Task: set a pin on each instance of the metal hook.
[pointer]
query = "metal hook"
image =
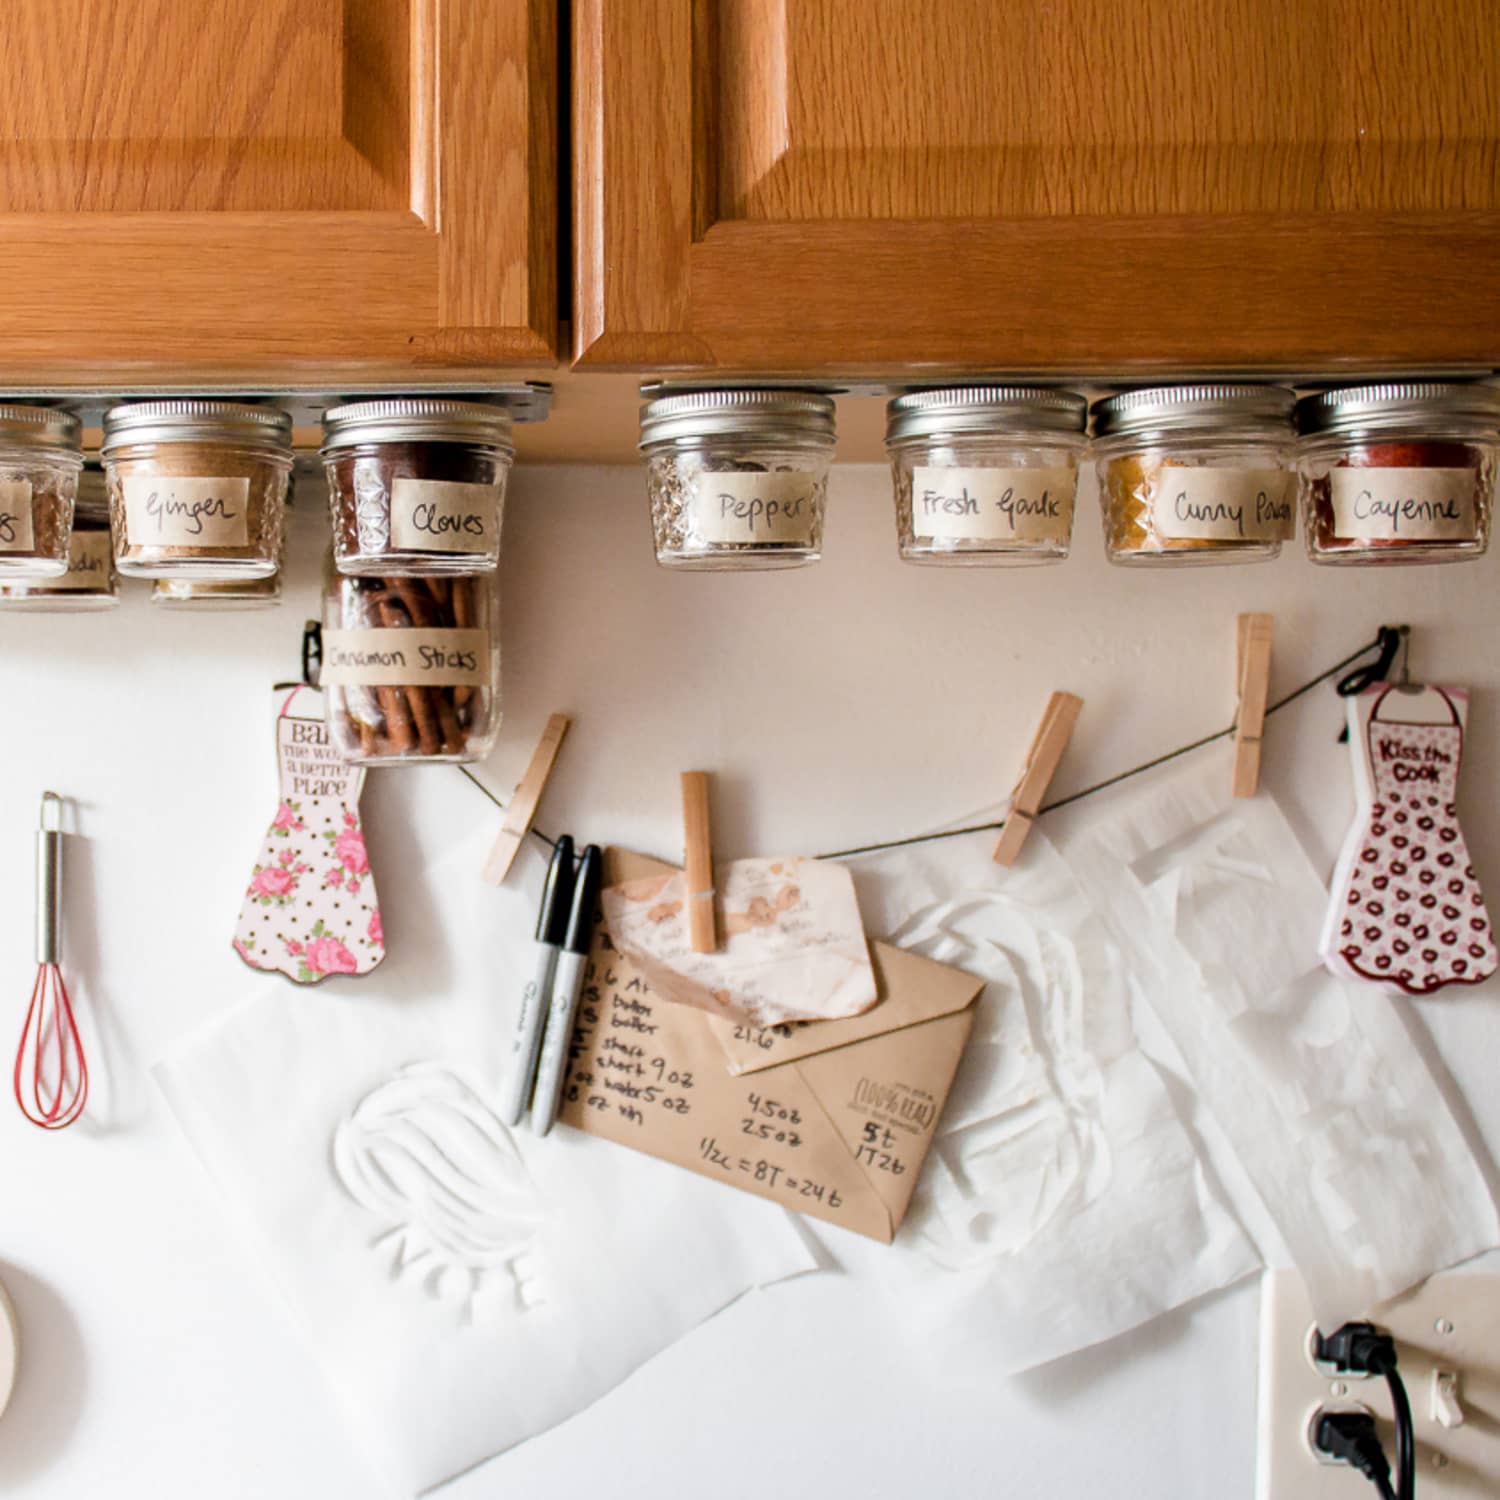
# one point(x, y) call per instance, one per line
point(1406, 685)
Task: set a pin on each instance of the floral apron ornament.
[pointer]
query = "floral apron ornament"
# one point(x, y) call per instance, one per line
point(310, 909)
point(1406, 907)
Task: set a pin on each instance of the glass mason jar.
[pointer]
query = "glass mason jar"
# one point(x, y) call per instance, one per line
point(1399, 473)
point(39, 464)
point(197, 488)
point(738, 479)
point(411, 666)
point(89, 583)
point(985, 475)
point(416, 485)
point(1196, 474)
point(217, 594)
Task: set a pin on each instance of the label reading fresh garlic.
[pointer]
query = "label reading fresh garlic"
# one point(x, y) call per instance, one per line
point(439, 515)
point(1404, 505)
point(398, 657)
point(169, 511)
point(754, 508)
point(1223, 505)
point(15, 516)
point(89, 564)
point(993, 505)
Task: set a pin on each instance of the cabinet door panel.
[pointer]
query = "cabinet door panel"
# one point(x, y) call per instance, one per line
point(275, 187)
point(1038, 184)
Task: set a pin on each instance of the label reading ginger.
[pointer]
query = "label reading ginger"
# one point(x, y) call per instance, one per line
point(15, 516)
point(992, 505)
point(169, 511)
point(1404, 505)
point(1223, 505)
point(387, 657)
point(777, 508)
point(439, 515)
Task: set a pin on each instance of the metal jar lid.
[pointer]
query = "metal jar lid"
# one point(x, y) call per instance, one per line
point(41, 428)
point(190, 420)
point(984, 409)
point(416, 419)
point(1401, 404)
point(1196, 408)
point(772, 415)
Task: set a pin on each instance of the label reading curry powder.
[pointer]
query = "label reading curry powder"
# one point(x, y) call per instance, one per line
point(1223, 505)
point(992, 505)
point(400, 657)
point(1404, 505)
point(15, 516)
point(439, 515)
point(750, 509)
point(170, 511)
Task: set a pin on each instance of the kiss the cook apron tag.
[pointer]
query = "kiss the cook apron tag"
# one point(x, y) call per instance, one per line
point(1406, 907)
point(310, 909)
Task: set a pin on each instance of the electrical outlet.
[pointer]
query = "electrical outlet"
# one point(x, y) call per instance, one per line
point(1448, 1343)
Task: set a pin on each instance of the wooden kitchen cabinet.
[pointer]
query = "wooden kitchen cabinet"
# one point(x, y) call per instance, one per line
point(1056, 186)
point(276, 187)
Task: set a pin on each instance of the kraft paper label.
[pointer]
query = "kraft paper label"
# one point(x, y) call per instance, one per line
point(169, 511)
point(1409, 505)
point(15, 516)
point(386, 657)
point(992, 505)
point(754, 508)
point(89, 562)
point(437, 515)
point(1223, 505)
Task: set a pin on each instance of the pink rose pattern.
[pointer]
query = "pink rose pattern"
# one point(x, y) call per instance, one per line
point(310, 909)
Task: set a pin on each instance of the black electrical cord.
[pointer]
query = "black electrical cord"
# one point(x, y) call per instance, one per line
point(1406, 1446)
point(1362, 1349)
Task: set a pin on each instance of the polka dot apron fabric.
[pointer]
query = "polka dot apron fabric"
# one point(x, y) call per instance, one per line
point(1407, 910)
point(310, 909)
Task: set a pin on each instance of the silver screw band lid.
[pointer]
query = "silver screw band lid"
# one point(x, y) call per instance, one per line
point(44, 428)
point(772, 415)
point(416, 419)
point(189, 420)
point(981, 409)
point(1197, 408)
point(1474, 408)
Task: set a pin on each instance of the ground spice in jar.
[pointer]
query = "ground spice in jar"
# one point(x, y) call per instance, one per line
point(39, 465)
point(197, 488)
point(411, 666)
point(89, 583)
point(416, 484)
point(1399, 473)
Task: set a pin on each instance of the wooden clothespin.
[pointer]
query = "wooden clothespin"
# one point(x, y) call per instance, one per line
point(523, 803)
point(1253, 675)
point(1047, 747)
point(699, 862)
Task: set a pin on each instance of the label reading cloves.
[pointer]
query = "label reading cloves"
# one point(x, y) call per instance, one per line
point(1223, 505)
point(400, 657)
point(992, 505)
point(168, 511)
point(753, 508)
point(1404, 505)
point(438, 515)
point(15, 516)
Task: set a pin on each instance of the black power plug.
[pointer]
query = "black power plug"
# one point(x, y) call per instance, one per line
point(1350, 1437)
point(1356, 1349)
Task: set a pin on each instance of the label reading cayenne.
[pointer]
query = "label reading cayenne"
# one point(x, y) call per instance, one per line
point(1409, 505)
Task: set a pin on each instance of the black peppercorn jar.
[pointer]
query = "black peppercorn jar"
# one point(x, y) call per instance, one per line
point(416, 485)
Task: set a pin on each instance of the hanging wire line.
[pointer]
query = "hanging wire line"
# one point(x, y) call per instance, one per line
point(1385, 646)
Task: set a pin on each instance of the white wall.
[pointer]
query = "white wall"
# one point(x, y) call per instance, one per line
point(858, 699)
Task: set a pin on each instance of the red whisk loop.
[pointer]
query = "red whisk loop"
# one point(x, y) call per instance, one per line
point(51, 1077)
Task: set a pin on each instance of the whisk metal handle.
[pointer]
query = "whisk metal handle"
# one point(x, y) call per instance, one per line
point(49, 881)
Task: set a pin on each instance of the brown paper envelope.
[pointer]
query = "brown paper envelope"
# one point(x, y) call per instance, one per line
point(840, 1133)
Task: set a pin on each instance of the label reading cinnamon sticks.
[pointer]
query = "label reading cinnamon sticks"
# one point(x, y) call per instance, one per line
point(438, 515)
point(89, 565)
point(171, 511)
point(992, 505)
point(1404, 505)
point(1223, 505)
point(400, 657)
point(753, 508)
point(15, 516)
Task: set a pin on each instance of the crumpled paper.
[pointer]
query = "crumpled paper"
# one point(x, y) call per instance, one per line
point(462, 1287)
point(1340, 1125)
point(1064, 1202)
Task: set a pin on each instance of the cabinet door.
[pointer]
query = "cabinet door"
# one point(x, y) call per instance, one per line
point(1037, 185)
point(274, 186)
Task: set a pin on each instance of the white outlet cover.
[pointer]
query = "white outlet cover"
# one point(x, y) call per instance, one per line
point(1451, 1322)
point(10, 1349)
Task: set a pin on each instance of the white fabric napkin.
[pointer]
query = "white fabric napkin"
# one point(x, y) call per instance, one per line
point(1064, 1202)
point(462, 1287)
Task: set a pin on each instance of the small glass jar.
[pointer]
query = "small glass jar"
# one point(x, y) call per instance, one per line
point(197, 488)
point(1196, 474)
point(89, 583)
point(39, 464)
point(985, 475)
point(738, 479)
point(217, 594)
point(1400, 473)
point(416, 485)
point(411, 666)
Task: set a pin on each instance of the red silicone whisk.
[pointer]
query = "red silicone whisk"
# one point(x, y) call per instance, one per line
point(52, 1076)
